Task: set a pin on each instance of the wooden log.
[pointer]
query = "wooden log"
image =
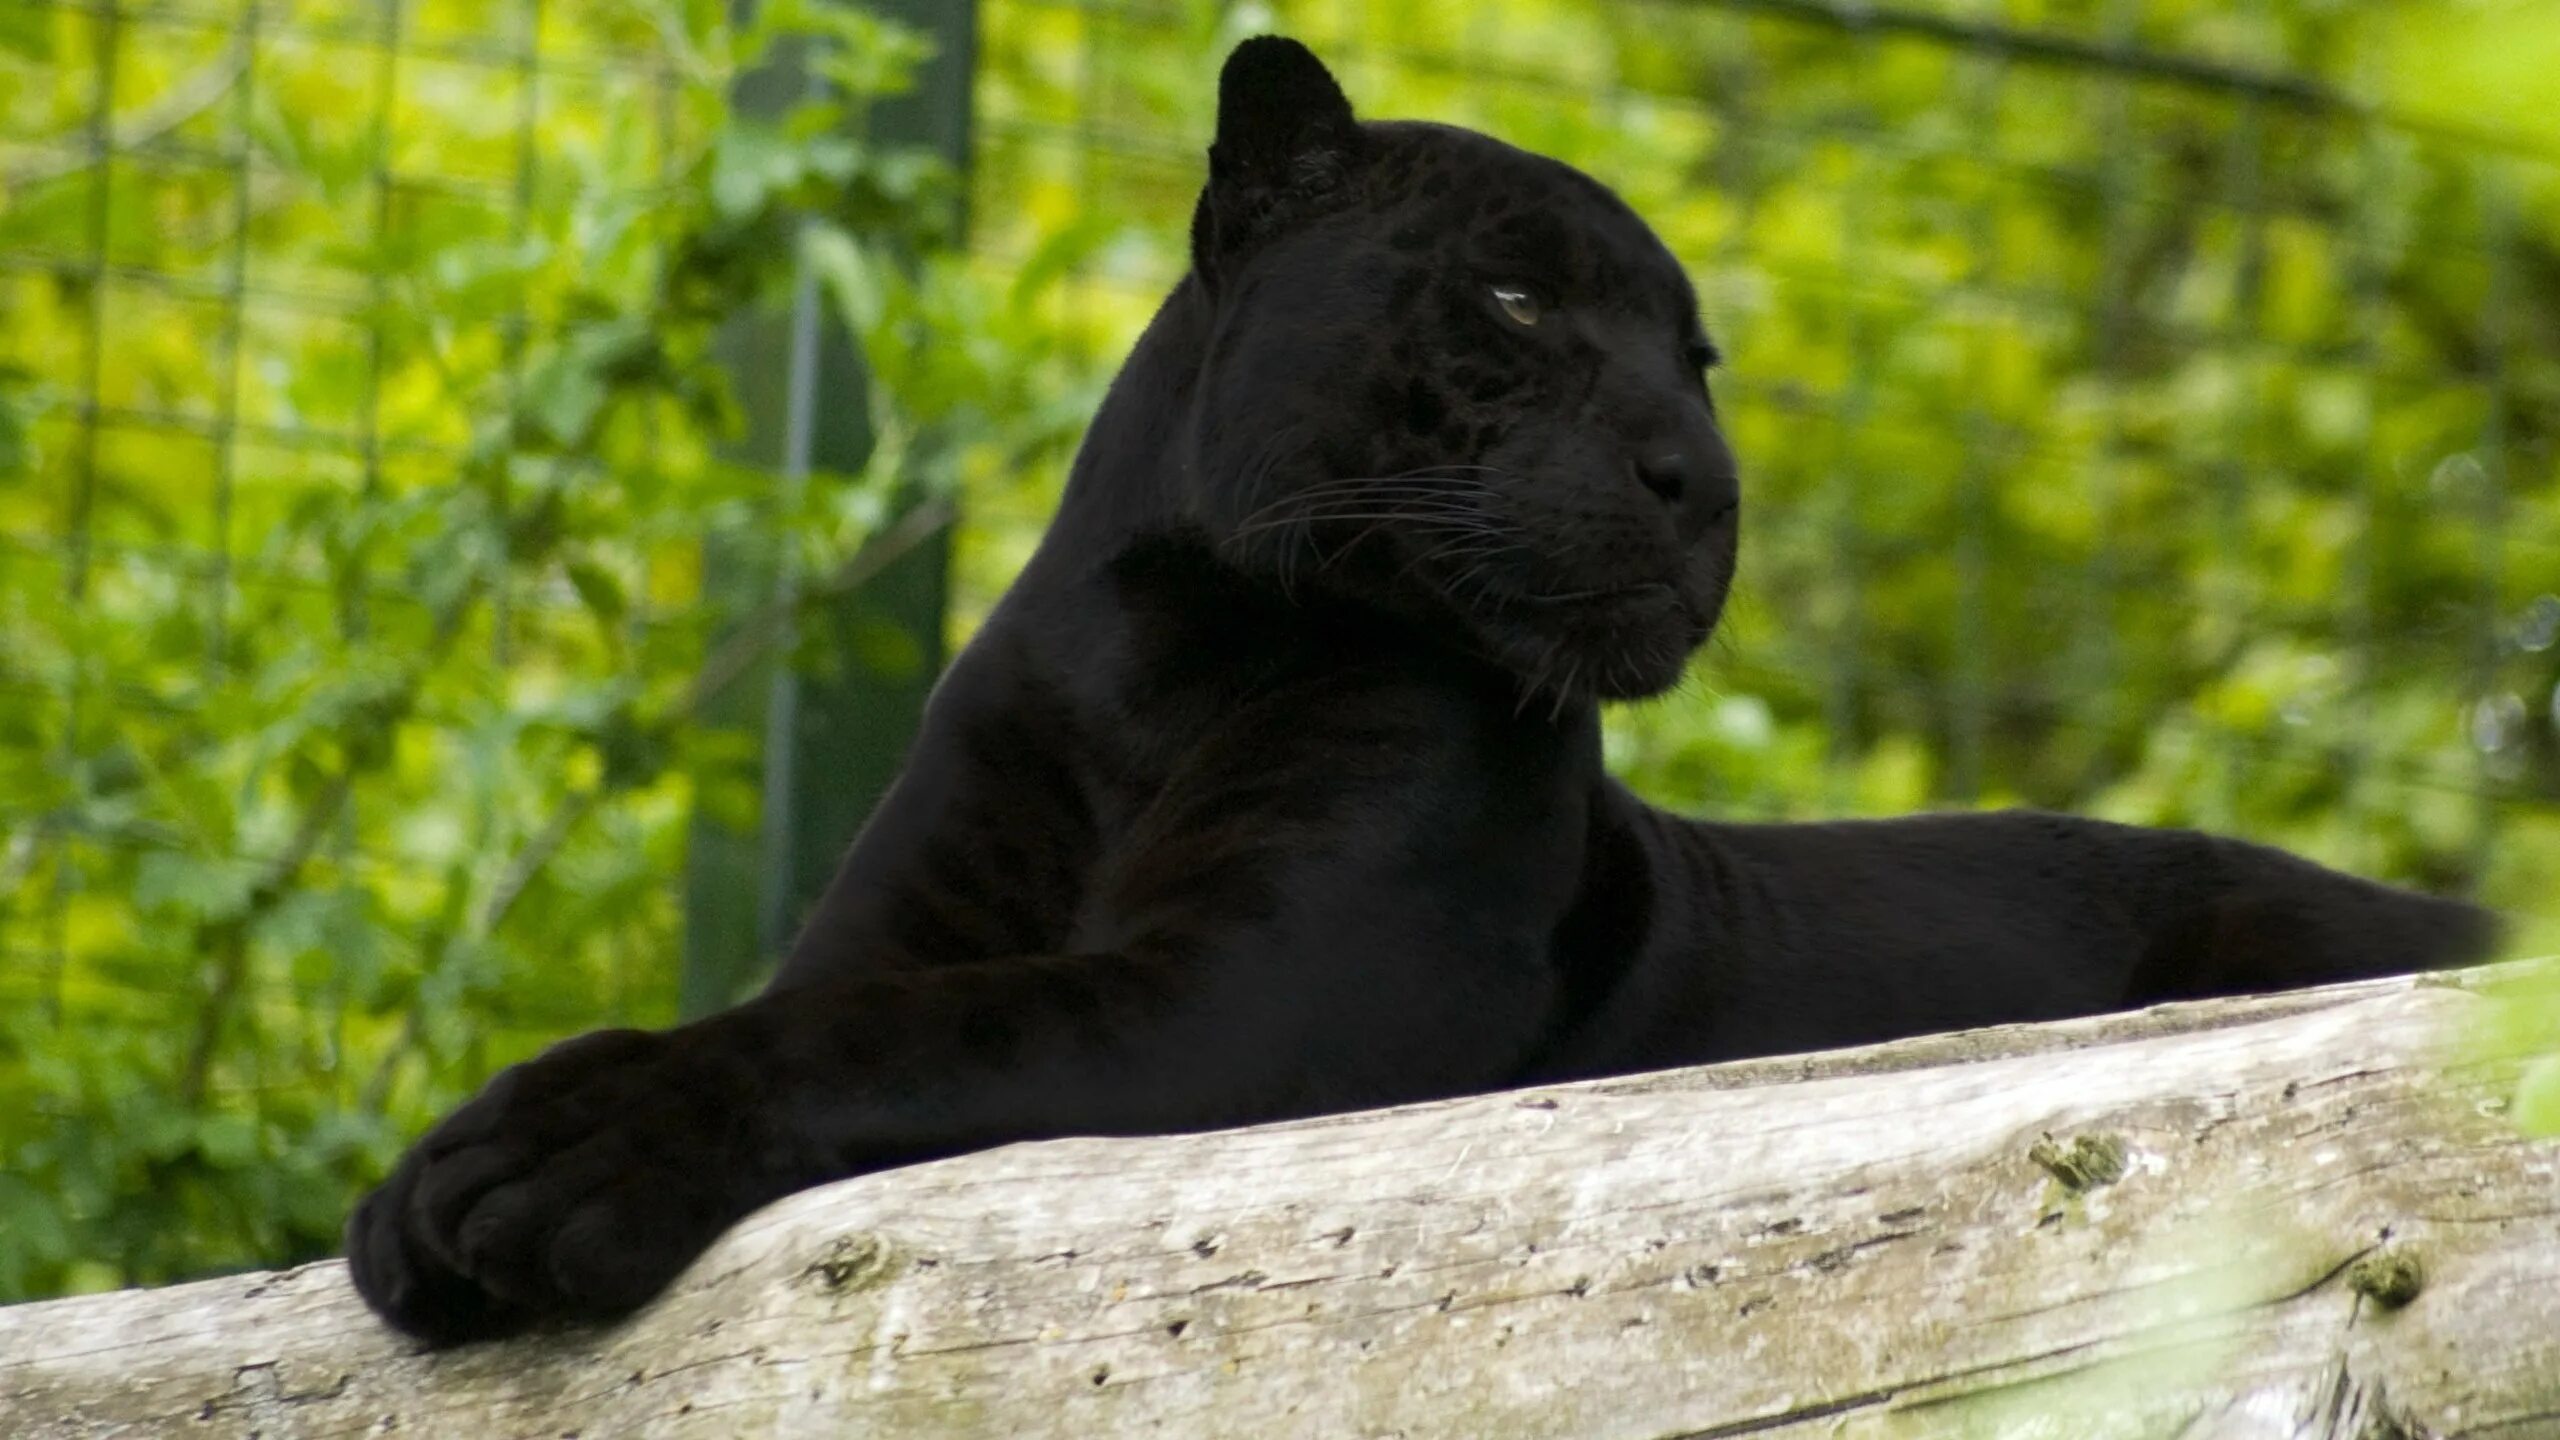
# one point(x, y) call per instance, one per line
point(2301, 1216)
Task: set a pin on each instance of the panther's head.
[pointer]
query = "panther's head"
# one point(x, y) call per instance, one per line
point(1457, 381)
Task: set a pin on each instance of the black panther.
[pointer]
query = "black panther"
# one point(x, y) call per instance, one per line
point(1273, 786)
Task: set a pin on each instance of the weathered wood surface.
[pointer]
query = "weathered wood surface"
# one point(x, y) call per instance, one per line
point(1850, 1245)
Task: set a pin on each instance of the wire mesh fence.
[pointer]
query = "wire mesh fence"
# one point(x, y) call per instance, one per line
point(2132, 422)
point(360, 446)
point(216, 325)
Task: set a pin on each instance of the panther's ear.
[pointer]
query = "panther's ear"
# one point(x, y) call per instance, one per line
point(1286, 143)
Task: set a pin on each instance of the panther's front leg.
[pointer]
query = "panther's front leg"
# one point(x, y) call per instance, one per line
point(1289, 931)
point(580, 1182)
point(577, 1183)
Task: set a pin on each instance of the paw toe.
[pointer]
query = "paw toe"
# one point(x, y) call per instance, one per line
point(409, 1288)
point(613, 1262)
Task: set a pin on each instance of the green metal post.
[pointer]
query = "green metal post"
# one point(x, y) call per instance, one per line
point(833, 735)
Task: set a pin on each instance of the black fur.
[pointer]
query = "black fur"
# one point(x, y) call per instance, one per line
point(1274, 786)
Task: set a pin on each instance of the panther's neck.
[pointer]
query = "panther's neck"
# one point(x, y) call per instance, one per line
point(1127, 477)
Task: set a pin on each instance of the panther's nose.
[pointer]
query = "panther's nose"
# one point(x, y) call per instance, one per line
point(1699, 484)
point(1667, 473)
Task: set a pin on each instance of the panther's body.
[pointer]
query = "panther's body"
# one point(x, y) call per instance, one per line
point(1274, 785)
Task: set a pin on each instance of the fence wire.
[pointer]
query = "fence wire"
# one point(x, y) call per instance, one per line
point(2132, 420)
point(206, 221)
point(2128, 427)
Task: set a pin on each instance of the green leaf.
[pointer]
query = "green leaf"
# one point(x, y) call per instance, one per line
point(36, 1232)
point(17, 453)
point(749, 163)
point(563, 397)
point(853, 276)
point(228, 1142)
point(864, 54)
point(200, 887)
point(634, 751)
point(602, 592)
point(27, 31)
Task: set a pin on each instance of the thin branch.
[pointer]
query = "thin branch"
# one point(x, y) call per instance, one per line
point(766, 624)
point(528, 866)
point(722, 670)
point(226, 938)
point(2299, 92)
point(530, 861)
point(749, 643)
point(2045, 47)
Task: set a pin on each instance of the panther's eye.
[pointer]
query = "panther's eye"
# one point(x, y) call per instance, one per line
point(1518, 303)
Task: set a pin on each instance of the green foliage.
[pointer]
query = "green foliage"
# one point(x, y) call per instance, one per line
point(2179, 455)
point(2110, 444)
point(2523, 1026)
point(2114, 444)
point(351, 654)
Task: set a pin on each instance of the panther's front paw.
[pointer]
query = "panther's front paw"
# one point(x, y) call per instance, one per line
point(577, 1184)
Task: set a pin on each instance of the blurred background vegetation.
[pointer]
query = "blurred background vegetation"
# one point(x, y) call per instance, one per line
point(485, 483)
